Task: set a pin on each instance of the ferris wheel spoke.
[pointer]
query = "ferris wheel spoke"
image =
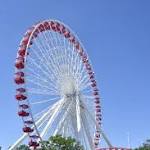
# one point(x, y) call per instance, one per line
point(40, 84)
point(88, 97)
point(92, 118)
point(44, 101)
point(37, 66)
point(40, 60)
point(55, 49)
point(39, 114)
point(71, 58)
point(84, 79)
point(64, 117)
point(55, 113)
point(75, 59)
point(87, 89)
point(86, 130)
point(41, 92)
point(35, 74)
point(53, 106)
point(83, 137)
point(78, 114)
point(80, 69)
point(34, 82)
point(45, 120)
point(57, 69)
point(46, 62)
point(83, 87)
point(47, 73)
point(42, 117)
point(37, 77)
point(47, 113)
point(66, 58)
point(67, 63)
point(45, 82)
point(85, 83)
point(74, 126)
point(43, 51)
point(62, 42)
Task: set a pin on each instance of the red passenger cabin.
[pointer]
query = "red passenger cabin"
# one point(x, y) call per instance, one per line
point(33, 144)
point(27, 130)
point(23, 113)
point(19, 63)
point(20, 97)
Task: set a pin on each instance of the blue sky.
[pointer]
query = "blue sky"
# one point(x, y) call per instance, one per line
point(116, 35)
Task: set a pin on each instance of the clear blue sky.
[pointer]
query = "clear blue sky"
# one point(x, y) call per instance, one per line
point(116, 35)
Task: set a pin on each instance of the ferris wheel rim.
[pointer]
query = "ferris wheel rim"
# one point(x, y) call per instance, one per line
point(31, 36)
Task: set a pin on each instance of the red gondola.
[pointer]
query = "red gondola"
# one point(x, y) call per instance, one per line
point(24, 106)
point(84, 58)
point(93, 84)
point(28, 122)
point(22, 90)
point(41, 28)
point(98, 119)
point(33, 144)
point(58, 26)
point(53, 26)
point(95, 93)
point(63, 29)
point(29, 31)
point(46, 25)
point(98, 110)
point(97, 135)
point(95, 89)
point(67, 34)
point(34, 136)
point(22, 52)
point(21, 97)
point(72, 39)
point(98, 114)
point(19, 63)
point(97, 102)
point(21, 74)
point(25, 40)
point(97, 106)
point(92, 77)
point(35, 34)
point(27, 130)
point(88, 66)
point(23, 113)
point(19, 80)
point(90, 73)
point(80, 50)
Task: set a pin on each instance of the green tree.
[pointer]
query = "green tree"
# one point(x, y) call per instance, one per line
point(57, 143)
point(145, 146)
point(60, 143)
point(23, 147)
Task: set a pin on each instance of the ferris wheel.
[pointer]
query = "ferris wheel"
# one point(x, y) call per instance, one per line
point(56, 88)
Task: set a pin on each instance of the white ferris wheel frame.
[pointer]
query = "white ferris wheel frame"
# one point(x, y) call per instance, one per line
point(50, 114)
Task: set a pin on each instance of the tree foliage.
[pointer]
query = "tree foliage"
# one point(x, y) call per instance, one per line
point(56, 143)
point(60, 143)
point(145, 146)
point(23, 147)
